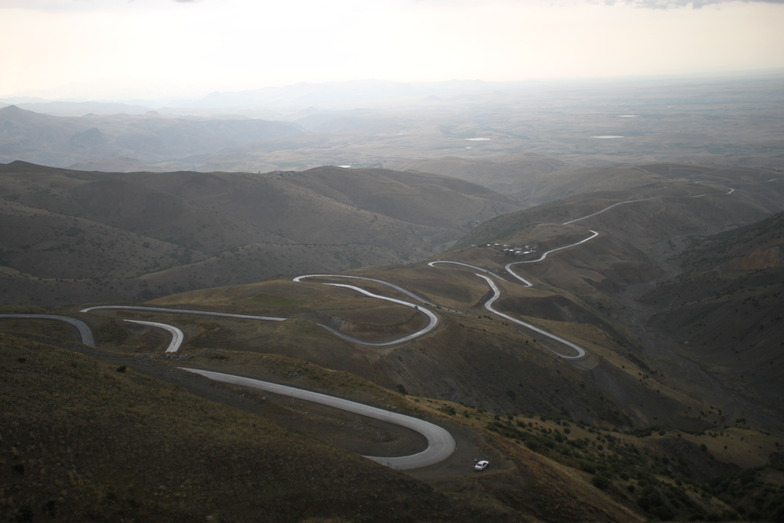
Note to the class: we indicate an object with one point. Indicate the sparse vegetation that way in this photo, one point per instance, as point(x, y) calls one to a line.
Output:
point(674, 414)
point(81, 441)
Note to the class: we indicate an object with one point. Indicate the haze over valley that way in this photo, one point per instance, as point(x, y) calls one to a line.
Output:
point(487, 284)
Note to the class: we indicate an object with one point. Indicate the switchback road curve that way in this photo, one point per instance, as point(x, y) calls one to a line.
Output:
point(485, 274)
point(579, 351)
point(440, 443)
point(85, 332)
point(177, 335)
point(432, 317)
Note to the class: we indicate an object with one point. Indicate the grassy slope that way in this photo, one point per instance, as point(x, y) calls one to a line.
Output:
point(477, 359)
point(91, 440)
point(731, 470)
point(84, 441)
point(79, 236)
point(726, 308)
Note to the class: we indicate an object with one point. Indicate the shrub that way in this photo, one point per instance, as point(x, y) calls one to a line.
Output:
point(601, 482)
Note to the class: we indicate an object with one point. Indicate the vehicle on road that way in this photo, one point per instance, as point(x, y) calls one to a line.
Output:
point(482, 464)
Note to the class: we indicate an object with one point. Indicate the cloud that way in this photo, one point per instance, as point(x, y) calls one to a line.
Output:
point(675, 4)
point(84, 5)
point(99, 5)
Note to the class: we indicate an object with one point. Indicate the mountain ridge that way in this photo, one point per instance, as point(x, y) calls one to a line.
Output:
point(67, 141)
point(130, 230)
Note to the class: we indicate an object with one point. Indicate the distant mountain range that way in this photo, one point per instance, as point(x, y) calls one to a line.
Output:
point(501, 135)
point(125, 142)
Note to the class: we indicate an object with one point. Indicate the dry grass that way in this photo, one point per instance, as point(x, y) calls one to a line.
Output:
point(82, 440)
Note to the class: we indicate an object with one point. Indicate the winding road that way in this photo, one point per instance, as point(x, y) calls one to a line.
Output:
point(432, 317)
point(177, 336)
point(85, 332)
point(144, 308)
point(440, 443)
point(485, 274)
point(374, 280)
point(579, 351)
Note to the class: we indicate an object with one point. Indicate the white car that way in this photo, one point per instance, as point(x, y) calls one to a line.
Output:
point(482, 464)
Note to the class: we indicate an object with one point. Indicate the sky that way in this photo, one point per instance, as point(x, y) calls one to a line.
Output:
point(137, 49)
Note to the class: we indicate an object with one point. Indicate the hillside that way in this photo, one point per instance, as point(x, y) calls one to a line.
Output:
point(590, 292)
point(640, 427)
point(624, 417)
point(75, 236)
point(662, 232)
point(725, 309)
point(87, 440)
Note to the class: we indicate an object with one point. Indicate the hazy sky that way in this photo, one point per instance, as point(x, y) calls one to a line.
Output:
point(100, 49)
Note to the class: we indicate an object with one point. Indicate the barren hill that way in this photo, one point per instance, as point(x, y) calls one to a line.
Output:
point(725, 310)
point(74, 236)
point(638, 428)
point(80, 435)
point(694, 250)
point(591, 291)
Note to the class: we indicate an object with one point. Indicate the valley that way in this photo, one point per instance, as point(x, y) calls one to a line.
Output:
point(599, 321)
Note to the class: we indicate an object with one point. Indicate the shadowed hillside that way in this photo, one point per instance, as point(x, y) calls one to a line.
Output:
point(642, 426)
point(590, 291)
point(73, 236)
point(725, 310)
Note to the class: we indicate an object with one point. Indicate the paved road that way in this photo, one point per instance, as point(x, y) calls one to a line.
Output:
point(382, 282)
point(579, 351)
point(467, 265)
point(581, 218)
point(177, 335)
point(440, 443)
point(593, 235)
point(182, 311)
point(485, 275)
point(84, 330)
point(432, 317)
